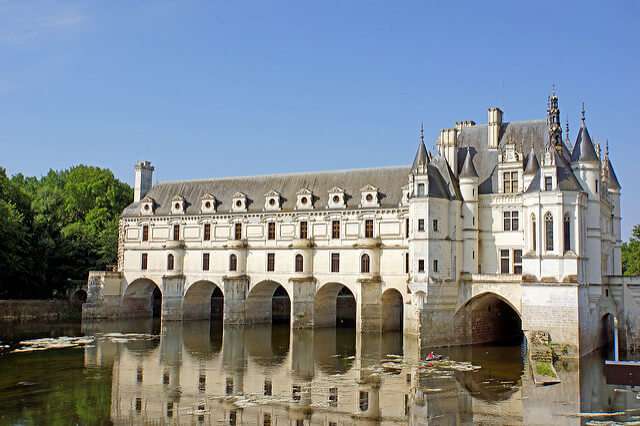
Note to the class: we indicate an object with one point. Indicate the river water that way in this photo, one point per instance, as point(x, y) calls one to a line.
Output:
point(144, 372)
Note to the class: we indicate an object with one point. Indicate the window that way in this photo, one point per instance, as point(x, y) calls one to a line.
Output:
point(303, 230)
point(170, 262)
point(420, 225)
point(435, 225)
point(406, 228)
point(233, 262)
point(268, 387)
point(406, 404)
point(138, 405)
point(368, 228)
point(205, 261)
point(207, 231)
point(364, 264)
point(421, 265)
point(232, 418)
point(548, 183)
point(533, 232)
point(435, 265)
point(299, 266)
point(335, 262)
point(295, 392)
point(596, 186)
point(364, 401)
point(510, 180)
point(510, 221)
point(567, 233)
point(202, 383)
point(333, 397)
point(548, 231)
point(271, 231)
point(169, 409)
point(144, 260)
point(165, 378)
point(266, 420)
point(228, 389)
point(237, 231)
point(176, 232)
point(139, 375)
point(517, 261)
point(271, 262)
point(145, 233)
point(406, 263)
point(335, 229)
point(299, 422)
point(421, 190)
point(504, 261)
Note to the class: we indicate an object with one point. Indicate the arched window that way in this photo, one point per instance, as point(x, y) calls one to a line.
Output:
point(567, 233)
point(299, 263)
point(170, 262)
point(534, 231)
point(548, 231)
point(365, 264)
point(233, 263)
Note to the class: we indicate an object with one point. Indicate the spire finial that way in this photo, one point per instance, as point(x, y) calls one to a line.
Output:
point(553, 89)
point(606, 148)
point(582, 114)
point(422, 132)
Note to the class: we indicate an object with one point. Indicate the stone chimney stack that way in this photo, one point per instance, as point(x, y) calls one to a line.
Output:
point(494, 124)
point(143, 180)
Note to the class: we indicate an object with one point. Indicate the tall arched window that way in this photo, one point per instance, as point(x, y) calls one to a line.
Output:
point(299, 263)
point(548, 231)
point(566, 233)
point(365, 264)
point(170, 262)
point(533, 232)
point(233, 262)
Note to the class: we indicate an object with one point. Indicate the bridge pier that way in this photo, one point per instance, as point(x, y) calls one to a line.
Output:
point(172, 295)
point(302, 295)
point(235, 294)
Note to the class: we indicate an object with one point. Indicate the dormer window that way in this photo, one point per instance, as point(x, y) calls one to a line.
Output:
point(548, 183)
point(336, 198)
point(208, 203)
point(421, 190)
point(369, 196)
point(147, 206)
point(272, 201)
point(510, 182)
point(178, 205)
point(239, 202)
point(305, 199)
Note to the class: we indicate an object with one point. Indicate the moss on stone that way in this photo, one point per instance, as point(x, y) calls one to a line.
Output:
point(545, 369)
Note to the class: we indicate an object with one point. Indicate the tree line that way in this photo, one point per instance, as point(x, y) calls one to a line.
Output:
point(56, 228)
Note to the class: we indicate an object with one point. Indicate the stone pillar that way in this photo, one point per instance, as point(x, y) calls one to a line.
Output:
point(236, 289)
point(303, 294)
point(369, 312)
point(172, 295)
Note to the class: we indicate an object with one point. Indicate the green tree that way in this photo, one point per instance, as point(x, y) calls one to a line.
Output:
point(631, 253)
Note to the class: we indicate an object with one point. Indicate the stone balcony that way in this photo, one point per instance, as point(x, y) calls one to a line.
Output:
point(492, 278)
point(301, 243)
point(368, 243)
point(236, 244)
point(173, 245)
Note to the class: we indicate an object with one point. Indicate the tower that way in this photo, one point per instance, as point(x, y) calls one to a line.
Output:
point(143, 180)
point(469, 189)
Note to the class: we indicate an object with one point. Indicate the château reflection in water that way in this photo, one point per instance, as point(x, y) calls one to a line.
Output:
point(202, 373)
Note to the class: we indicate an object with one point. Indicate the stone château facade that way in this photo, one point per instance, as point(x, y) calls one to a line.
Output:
point(504, 228)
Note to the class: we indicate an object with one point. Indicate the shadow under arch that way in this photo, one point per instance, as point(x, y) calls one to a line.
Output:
point(488, 318)
point(334, 350)
point(607, 324)
point(203, 300)
point(392, 310)
point(202, 339)
point(268, 302)
point(267, 345)
point(334, 305)
point(143, 298)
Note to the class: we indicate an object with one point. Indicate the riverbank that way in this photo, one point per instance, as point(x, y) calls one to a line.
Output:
point(39, 310)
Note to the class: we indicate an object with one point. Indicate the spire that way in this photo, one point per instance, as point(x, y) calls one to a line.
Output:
point(422, 157)
point(553, 121)
point(468, 169)
point(532, 165)
point(583, 149)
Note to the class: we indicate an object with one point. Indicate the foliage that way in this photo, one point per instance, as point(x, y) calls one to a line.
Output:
point(53, 230)
point(544, 369)
point(631, 253)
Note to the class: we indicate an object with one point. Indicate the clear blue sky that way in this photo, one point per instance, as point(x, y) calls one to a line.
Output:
point(209, 88)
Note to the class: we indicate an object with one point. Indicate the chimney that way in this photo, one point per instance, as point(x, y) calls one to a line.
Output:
point(494, 124)
point(143, 181)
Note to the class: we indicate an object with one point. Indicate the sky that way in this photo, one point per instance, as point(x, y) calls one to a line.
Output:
point(226, 88)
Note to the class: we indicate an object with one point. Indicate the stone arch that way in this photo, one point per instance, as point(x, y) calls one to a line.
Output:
point(142, 298)
point(334, 305)
point(487, 317)
point(268, 302)
point(392, 310)
point(79, 297)
point(607, 325)
point(203, 300)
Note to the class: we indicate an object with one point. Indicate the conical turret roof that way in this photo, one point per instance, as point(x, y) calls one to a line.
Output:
point(583, 149)
point(532, 164)
point(468, 169)
point(421, 159)
point(613, 179)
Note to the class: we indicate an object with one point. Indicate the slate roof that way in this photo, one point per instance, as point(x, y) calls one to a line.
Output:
point(567, 181)
point(468, 169)
point(614, 183)
point(422, 157)
point(532, 164)
point(583, 149)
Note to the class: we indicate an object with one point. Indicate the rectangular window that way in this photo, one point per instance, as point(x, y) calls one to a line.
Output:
point(144, 260)
point(295, 392)
point(420, 225)
point(205, 261)
point(335, 229)
point(333, 397)
point(228, 389)
point(406, 228)
point(435, 225)
point(266, 420)
point(517, 261)
point(237, 231)
point(368, 228)
point(165, 378)
point(548, 183)
point(170, 262)
point(435, 265)
point(176, 232)
point(364, 401)
point(510, 181)
point(506, 221)
point(232, 418)
point(510, 221)
point(421, 265)
point(169, 409)
point(202, 383)
point(299, 422)
point(145, 233)
point(268, 388)
point(421, 190)
point(138, 405)
point(271, 231)
point(504, 261)
point(406, 404)
point(406, 263)
point(567, 233)
point(335, 262)
point(303, 230)
point(271, 262)
point(207, 231)
point(139, 375)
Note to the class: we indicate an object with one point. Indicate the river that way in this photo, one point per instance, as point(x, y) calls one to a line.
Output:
point(144, 372)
